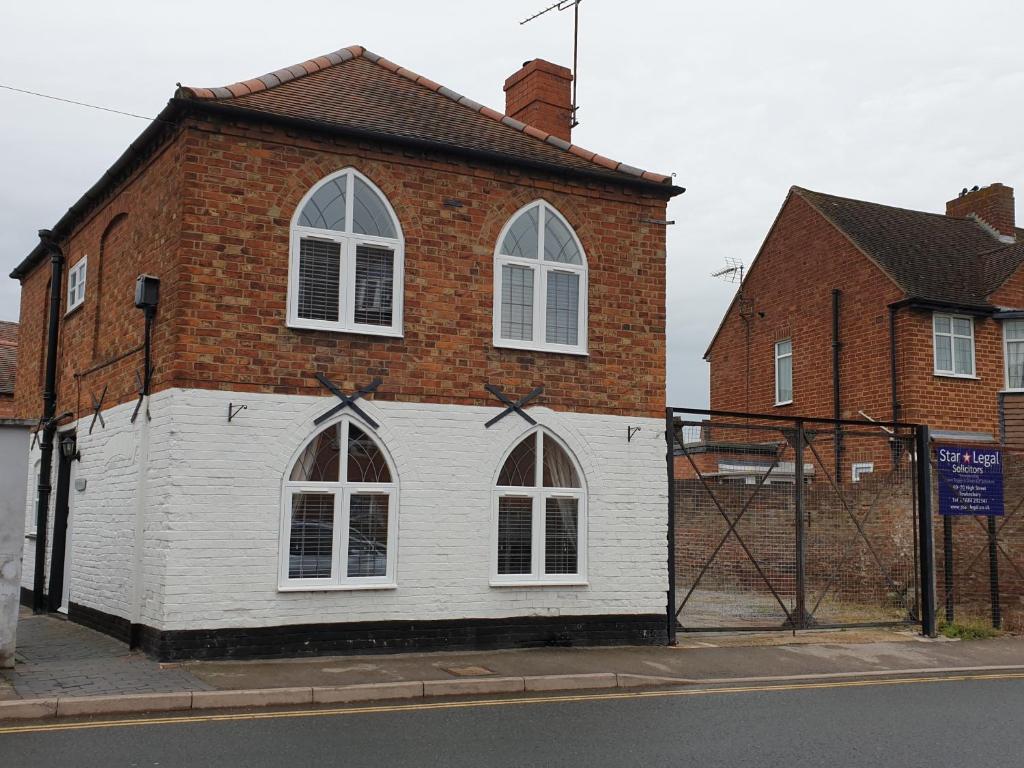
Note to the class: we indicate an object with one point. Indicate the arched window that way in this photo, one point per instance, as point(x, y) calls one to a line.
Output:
point(339, 512)
point(539, 515)
point(345, 269)
point(540, 283)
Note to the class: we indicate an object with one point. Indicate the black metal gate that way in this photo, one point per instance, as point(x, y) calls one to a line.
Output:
point(792, 523)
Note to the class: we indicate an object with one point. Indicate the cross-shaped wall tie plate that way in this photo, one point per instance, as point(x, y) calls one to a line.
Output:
point(512, 405)
point(347, 400)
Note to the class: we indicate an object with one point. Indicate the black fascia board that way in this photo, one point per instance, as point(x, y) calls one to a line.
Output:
point(942, 305)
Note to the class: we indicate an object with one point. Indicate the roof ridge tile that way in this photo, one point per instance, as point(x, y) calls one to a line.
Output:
point(311, 66)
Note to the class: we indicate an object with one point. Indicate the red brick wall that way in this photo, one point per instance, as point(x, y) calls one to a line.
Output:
point(210, 215)
point(790, 287)
point(802, 259)
point(137, 230)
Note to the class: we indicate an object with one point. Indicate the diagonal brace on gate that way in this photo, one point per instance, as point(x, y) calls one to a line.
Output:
point(731, 531)
point(860, 528)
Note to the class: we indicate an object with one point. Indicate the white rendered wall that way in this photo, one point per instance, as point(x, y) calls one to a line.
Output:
point(224, 514)
point(212, 513)
point(101, 532)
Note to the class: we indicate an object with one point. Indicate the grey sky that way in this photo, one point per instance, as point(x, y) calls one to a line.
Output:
point(902, 102)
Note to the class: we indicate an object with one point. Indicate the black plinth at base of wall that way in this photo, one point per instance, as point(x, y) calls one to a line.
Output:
point(374, 637)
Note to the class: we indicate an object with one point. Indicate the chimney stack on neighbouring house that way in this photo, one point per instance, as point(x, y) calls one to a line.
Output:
point(540, 94)
point(992, 205)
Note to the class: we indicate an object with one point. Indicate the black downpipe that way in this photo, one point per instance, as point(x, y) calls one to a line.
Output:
point(49, 425)
point(892, 364)
point(836, 409)
point(670, 446)
point(926, 540)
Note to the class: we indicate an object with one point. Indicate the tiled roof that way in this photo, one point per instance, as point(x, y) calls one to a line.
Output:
point(930, 256)
point(354, 88)
point(8, 356)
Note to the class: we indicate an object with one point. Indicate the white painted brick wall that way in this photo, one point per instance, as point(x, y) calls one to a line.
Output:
point(213, 513)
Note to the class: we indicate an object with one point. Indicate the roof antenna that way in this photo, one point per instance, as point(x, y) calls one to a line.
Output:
point(732, 272)
point(564, 5)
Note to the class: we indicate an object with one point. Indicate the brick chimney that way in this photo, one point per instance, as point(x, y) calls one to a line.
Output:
point(991, 205)
point(540, 94)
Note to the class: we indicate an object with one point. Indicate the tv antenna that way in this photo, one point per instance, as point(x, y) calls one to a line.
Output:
point(732, 272)
point(564, 5)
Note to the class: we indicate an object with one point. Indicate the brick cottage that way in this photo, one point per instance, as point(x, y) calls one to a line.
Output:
point(354, 264)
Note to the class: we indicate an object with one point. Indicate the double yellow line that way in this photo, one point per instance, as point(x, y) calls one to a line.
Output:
point(417, 707)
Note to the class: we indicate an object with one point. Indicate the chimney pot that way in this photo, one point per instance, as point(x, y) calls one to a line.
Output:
point(540, 94)
point(992, 205)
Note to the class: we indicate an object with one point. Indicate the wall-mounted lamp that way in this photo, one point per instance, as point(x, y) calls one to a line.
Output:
point(69, 447)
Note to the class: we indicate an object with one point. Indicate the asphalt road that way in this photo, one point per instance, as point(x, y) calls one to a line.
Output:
point(963, 723)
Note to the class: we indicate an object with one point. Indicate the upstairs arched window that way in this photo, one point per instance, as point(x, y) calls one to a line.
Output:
point(539, 515)
point(345, 268)
point(340, 502)
point(540, 283)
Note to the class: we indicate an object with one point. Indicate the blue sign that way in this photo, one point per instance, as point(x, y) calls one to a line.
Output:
point(970, 480)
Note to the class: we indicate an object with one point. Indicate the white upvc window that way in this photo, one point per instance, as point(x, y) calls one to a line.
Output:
point(33, 511)
point(540, 283)
point(339, 513)
point(953, 339)
point(859, 469)
point(1013, 353)
point(784, 372)
point(539, 516)
point(76, 284)
point(346, 262)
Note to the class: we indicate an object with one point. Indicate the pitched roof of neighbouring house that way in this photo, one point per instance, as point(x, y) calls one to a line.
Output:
point(357, 89)
point(8, 356)
point(930, 256)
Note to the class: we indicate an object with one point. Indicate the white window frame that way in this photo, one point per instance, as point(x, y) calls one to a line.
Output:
point(541, 269)
point(538, 495)
point(348, 241)
point(860, 468)
point(342, 491)
point(76, 294)
point(1006, 354)
point(31, 520)
point(778, 400)
point(951, 373)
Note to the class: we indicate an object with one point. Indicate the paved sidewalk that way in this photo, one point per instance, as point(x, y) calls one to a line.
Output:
point(59, 658)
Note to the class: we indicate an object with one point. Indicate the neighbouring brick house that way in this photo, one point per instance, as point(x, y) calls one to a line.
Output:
point(928, 309)
point(348, 218)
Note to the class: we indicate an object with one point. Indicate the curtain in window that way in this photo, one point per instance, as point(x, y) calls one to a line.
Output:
point(1014, 332)
point(375, 279)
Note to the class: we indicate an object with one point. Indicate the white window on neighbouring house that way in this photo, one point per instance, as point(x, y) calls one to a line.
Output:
point(76, 284)
point(861, 468)
point(1013, 353)
point(33, 510)
point(953, 337)
point(346, 264)
point(540, 283)
point(784, 372)
point(339, 513)
point(539, 515)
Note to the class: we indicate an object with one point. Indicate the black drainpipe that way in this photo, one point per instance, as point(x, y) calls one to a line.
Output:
point(836, 410)
point(892, 364)
point(49, 423)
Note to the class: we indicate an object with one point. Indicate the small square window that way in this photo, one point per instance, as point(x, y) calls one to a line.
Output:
point(76, 284)
point(861, 468)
